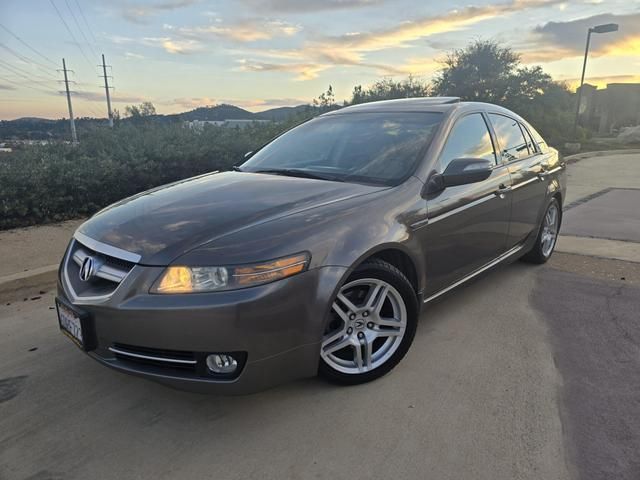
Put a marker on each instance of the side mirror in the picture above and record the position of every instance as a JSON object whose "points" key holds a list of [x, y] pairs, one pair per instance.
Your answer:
{"points": [[460, 171]]}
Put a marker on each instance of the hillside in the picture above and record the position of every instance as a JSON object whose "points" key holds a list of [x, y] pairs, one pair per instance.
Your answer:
{"points": [[32, 128], [217, 112]]}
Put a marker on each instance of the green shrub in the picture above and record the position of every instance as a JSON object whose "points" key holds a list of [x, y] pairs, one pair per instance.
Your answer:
{"points": [[56, 182]]}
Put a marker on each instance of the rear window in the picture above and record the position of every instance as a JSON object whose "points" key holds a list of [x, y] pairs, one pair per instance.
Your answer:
{"points": [[510, 137], [542, 145]]}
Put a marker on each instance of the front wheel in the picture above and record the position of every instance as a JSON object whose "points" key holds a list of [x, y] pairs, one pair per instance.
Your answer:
{"points": [[372, 325], [547, 235]]}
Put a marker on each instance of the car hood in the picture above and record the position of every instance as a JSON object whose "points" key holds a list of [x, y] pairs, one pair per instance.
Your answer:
{"points": [[166, 222]]}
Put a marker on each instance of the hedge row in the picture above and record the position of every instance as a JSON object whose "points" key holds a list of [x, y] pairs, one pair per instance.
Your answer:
{"points": [[57, 182]]}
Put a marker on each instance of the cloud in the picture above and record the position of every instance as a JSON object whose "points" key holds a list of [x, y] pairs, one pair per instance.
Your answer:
{"points": [[264, 104], [248, 30], [116, 97], [133, 56], [187, 40], [120, 40], [351, 49], [406, 32], [139, 13], [7, 87], [557, 40], [303, 71], [305, 6], [174, 45], [601, 82]]}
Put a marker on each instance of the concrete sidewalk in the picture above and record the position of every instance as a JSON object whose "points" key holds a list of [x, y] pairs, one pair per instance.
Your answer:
{"points": [[601, 214], [30, 257]]}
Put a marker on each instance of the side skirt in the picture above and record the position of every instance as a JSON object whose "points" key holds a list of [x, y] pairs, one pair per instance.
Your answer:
{"points": [[505, 256]]}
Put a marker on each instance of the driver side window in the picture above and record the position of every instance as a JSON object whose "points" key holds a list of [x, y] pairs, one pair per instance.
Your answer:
{"points": [[469, 138]]}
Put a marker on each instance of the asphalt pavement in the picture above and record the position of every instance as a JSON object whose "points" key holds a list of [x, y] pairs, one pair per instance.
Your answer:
{"points": [[475, 398]]}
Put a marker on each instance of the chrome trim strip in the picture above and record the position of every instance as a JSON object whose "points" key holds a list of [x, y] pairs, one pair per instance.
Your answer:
{"points": [[526, 182], [420, 224], [112, 274], [150, 357], [461, 208], [476, 273], [107, 249], [554, 170]]}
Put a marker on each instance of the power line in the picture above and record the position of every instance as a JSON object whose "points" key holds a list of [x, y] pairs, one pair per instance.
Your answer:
{"points": [[95, 42], [25, 59], [25, 72], [27, 45], [80, 29], [70, 32], [22, 85], [15, 71]]}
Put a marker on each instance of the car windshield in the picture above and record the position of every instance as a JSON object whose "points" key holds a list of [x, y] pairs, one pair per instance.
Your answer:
{"points": [[377, 148]]}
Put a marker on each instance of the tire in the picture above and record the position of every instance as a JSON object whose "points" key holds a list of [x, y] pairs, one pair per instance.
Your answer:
{"points": [[375, 313], [547, 234]]}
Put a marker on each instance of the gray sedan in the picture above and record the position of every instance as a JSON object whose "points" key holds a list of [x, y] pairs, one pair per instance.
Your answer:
{"points": [[318, 253]]}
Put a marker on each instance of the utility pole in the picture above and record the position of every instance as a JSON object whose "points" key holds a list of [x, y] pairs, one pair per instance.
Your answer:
{"points": [[106, 89], [74, 136]]}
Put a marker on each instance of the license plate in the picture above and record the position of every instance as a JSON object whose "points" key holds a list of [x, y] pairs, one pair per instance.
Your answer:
{"points": [[70, 324]]}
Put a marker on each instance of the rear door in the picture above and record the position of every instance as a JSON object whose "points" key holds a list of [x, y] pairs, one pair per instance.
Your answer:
{"points": [[468, 224], [523, 159]]}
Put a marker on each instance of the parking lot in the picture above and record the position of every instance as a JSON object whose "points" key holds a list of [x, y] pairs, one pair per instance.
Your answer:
{"points": [[529, 372]]}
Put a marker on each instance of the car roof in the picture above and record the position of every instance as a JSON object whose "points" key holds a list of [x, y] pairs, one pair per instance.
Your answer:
{"points": [[420, 104]]}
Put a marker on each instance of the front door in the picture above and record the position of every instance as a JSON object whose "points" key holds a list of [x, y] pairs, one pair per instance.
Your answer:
{"points": [[468, 224]]}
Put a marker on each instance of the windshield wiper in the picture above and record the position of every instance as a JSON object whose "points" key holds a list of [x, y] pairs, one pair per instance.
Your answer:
{"points": [[294, 172]]}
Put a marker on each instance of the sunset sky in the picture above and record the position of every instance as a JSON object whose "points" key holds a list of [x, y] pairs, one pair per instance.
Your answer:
{"points": [[259, 54]]}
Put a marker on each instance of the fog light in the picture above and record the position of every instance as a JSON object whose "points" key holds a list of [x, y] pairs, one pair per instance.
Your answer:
{"points": [[221, 363]]}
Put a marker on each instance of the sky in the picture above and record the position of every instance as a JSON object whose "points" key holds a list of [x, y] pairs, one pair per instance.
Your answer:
{"points": [[261, 54]]}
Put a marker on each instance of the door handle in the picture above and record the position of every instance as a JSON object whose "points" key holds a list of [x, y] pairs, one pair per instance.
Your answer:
{"points": [[542, 175], [502, 189]]}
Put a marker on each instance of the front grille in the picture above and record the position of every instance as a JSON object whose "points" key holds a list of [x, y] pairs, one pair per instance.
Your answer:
{"points": [[108, 272]]}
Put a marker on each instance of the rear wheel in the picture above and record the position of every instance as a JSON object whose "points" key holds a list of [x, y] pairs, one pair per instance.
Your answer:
{"points": [[373, 322], [547, 236]]}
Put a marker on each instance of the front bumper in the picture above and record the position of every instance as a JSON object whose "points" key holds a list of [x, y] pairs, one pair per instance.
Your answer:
{"points": [[278, 327]]}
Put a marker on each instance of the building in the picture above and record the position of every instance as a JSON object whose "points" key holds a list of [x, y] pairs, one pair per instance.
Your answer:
{"points": [[200, 124], [609, 109]]}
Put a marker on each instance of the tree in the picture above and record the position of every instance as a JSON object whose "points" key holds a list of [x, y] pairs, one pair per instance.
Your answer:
{"points": [[388, 89], [480, 72], [485, 71], [326, 101], [145, 109]]}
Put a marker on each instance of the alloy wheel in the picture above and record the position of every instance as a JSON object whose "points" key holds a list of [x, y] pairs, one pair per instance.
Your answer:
{"points": [[550, 230], [368, 325]]}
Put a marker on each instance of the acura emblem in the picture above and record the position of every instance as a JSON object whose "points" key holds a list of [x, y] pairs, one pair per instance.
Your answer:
{"points": [[86, 270]]}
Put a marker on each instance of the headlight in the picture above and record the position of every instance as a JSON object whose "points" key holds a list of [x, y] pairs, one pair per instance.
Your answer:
{"points": [[182, 279]]}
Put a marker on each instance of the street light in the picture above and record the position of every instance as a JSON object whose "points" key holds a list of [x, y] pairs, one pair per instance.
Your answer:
{"points": [[605, 28]]}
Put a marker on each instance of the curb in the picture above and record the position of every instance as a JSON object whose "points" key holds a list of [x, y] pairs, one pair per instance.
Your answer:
{"points": [[599, 153], [13, 286]]}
